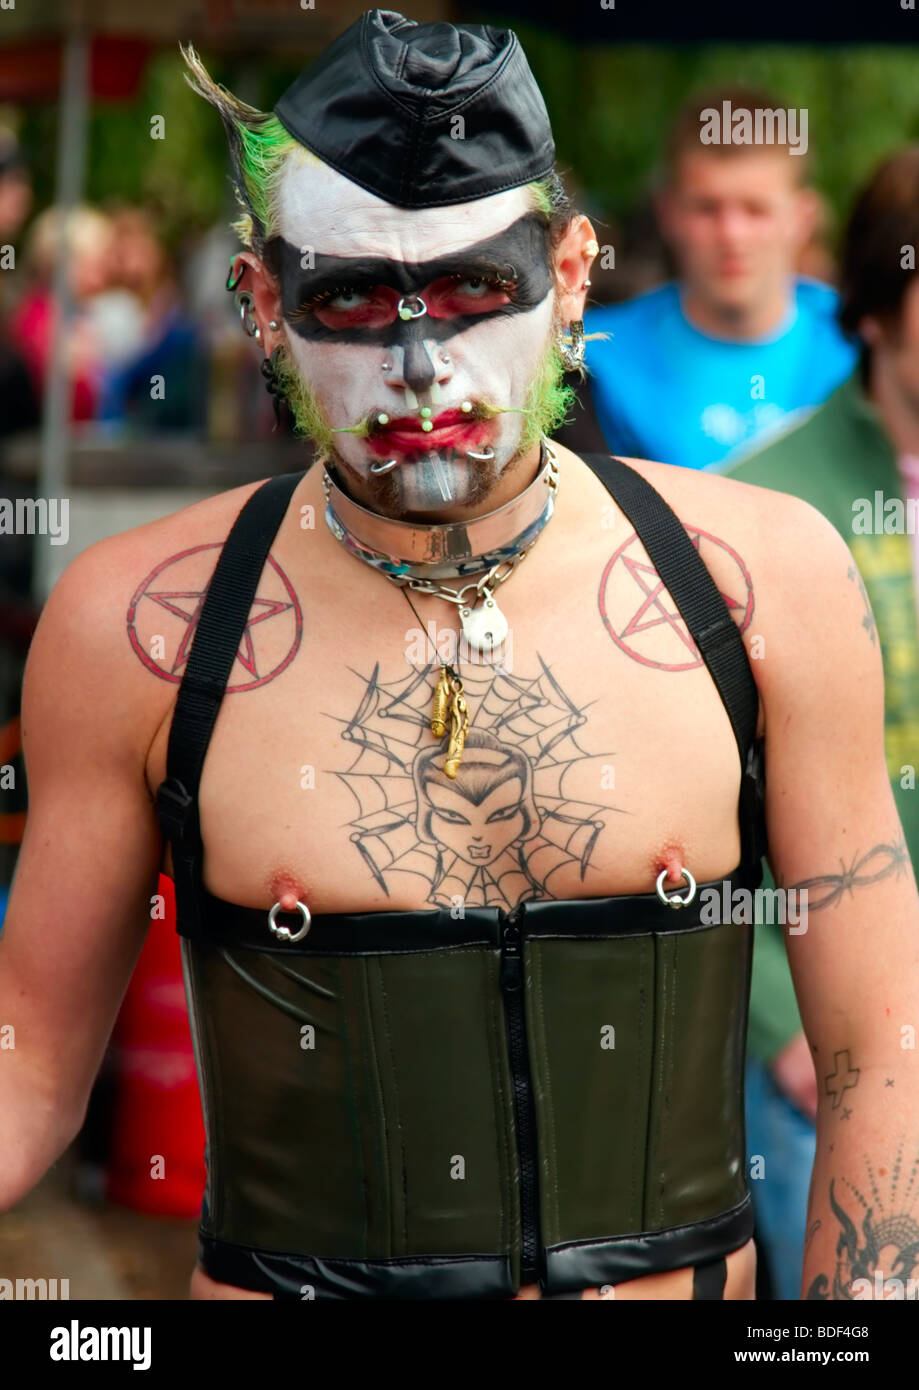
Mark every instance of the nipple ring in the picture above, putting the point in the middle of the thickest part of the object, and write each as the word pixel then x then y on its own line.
pixel 403 310
pixel 675 900
pixel 383 467
pixel 284 933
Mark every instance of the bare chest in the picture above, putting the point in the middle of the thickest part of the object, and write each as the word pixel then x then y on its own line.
pixel 597 750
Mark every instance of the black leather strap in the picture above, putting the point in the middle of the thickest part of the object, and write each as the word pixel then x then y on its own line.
pixel 709 1279
pixel 711 626
pixel 210 661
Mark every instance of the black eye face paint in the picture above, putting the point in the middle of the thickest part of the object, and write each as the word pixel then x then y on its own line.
pixel 355 299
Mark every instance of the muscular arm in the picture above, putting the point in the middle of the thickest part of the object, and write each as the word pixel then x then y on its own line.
pixel 79 906
pixel 834 831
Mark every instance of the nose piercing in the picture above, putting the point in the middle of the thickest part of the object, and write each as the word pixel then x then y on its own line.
pixel 415 312
pixel 444 357
pixel 383 467
pixel 386 367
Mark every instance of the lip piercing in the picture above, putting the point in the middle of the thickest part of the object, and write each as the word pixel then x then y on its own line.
pixel 483 456
pixel 284 933
pixel 419 307
pixel 675 900
pixel 382 418
pixel 383 467
pixel 466 406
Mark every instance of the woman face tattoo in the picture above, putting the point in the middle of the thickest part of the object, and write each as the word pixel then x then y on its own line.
pixel 418 334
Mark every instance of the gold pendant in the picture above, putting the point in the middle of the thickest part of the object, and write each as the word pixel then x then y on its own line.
pixel 459 727
pixel 440 711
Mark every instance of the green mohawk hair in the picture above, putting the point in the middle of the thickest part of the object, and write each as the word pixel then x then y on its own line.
pixel 259 149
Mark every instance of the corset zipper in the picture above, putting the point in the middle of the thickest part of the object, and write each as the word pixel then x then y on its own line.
pixel 511 980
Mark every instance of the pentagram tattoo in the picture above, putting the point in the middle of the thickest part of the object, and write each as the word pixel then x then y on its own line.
pixel 163 617
pixel 641 616
pixel 868 618
pixel 504 828
pixel 881 1260
pixel 880 862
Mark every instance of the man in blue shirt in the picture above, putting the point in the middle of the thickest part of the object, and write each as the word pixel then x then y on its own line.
pixel 739 344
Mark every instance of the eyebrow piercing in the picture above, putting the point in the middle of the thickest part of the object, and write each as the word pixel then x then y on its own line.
pixel 415 312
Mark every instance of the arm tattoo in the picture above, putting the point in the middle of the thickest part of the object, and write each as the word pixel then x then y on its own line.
pixel 883 861
pixel 877 1253
pixel 642 618
pixel 163 615
pixel 842 1078
pixel 868 618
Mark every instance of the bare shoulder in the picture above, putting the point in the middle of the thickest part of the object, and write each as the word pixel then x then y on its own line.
pixel 795 551
pixel 86 651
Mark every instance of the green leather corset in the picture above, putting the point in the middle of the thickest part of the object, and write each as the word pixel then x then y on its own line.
pixel 417 1105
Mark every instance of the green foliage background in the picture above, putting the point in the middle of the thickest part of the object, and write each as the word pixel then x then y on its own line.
pixel 610 106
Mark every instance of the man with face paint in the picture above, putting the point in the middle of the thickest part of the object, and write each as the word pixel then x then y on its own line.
pixel 462 905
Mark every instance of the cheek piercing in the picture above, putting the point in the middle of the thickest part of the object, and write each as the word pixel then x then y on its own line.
pixel 383 467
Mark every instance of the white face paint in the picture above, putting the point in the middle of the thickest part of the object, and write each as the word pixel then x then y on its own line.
pixel 483 349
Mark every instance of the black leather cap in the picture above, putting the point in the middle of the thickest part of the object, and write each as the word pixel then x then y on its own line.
pixel 423 115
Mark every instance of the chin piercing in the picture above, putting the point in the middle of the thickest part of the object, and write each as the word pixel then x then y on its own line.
pixel 411 306
pixel 675 900
pixel 285 933
pixel 383 467
pixel 481 456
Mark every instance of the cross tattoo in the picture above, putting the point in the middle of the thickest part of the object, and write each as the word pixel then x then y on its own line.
pixel 844 1077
